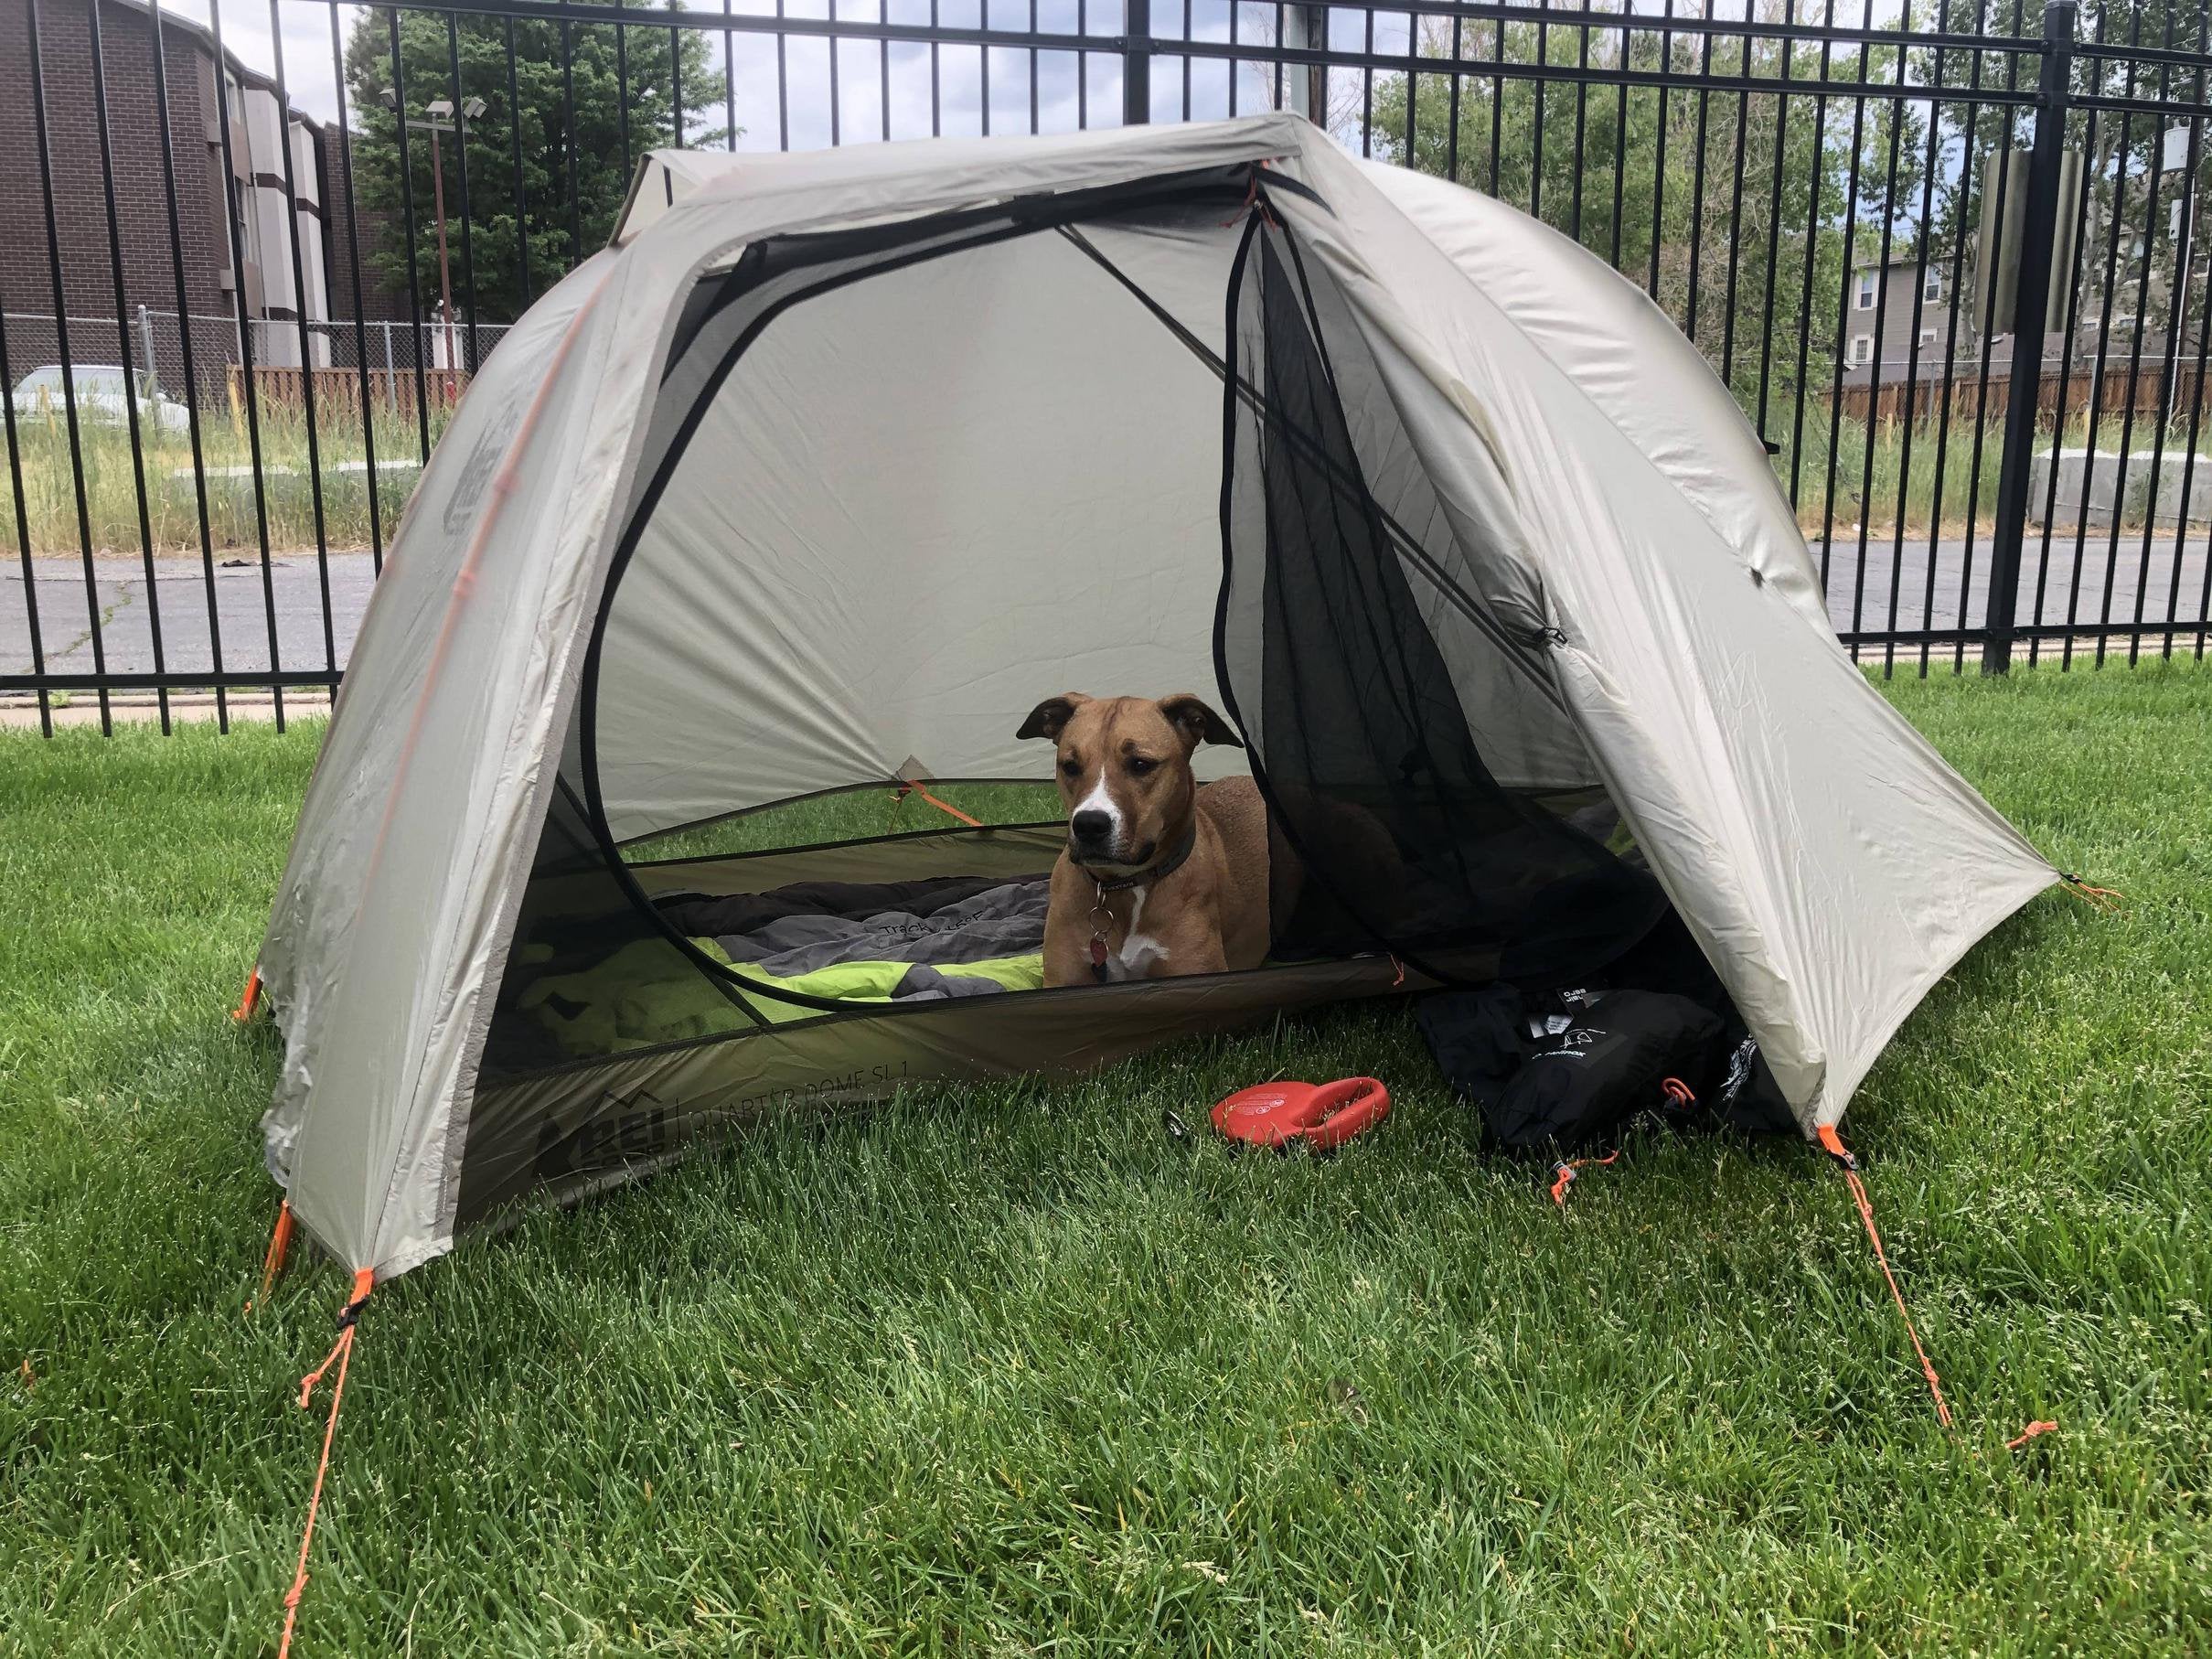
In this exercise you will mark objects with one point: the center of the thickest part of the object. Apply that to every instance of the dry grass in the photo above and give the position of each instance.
(1935, 477)
(286, 501)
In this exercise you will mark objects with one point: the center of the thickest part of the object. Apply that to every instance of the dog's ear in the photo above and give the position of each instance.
(1197, 724)
(1049, 717)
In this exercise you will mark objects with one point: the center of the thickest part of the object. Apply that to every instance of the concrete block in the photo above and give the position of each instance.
(2091, 482)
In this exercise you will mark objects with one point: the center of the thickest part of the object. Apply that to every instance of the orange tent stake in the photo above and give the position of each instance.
(279, 1241)
(914, 786)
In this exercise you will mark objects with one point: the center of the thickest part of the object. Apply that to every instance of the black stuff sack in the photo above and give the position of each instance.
(1745, 1094)
(1483, 1039)
(1611, 1061)
(1480, 1040)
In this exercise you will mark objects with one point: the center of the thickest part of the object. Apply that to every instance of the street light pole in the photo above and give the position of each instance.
(2178, 154)
(446, 280)
(439, 110)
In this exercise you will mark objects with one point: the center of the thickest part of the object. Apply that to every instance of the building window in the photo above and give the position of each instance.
(1861, 350)
(1866, 287)
(1928, 337)
(1931, 284)
(241, 225)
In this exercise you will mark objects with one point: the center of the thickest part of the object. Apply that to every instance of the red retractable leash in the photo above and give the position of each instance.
(1316, 1118)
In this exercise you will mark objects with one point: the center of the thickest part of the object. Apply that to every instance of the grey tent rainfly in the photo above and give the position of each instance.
(831, 466)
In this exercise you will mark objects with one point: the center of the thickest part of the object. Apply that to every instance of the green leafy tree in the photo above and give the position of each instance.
(2126, 219)
(2129, 250)
(1652, 183)
(622, 101)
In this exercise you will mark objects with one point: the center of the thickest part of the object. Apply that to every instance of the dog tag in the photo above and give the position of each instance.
(1098, 958)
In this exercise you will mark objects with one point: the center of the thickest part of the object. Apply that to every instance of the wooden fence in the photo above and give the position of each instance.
(1923, 402)
(390, 389)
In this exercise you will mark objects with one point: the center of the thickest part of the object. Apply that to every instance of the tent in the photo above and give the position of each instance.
(831, 466)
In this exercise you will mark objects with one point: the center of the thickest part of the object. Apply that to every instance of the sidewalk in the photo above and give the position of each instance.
(82, 709)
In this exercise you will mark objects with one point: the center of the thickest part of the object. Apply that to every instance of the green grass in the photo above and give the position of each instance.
(1010, 1371)
(848, 816)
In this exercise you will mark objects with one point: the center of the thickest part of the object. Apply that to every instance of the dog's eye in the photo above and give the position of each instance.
(1139, 765)
(1071, 767)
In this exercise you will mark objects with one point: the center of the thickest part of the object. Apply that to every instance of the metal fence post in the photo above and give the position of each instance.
(1136, 63)
(1306, 28)
(2030, 305)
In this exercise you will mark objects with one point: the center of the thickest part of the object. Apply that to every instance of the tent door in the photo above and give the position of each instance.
(1328, 661)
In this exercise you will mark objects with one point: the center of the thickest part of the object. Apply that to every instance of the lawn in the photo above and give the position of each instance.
(1011, 1371)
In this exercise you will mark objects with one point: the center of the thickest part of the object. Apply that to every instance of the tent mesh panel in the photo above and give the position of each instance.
(1406, 838)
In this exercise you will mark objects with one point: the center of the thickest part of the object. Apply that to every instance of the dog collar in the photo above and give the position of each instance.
(1153, 872)
(1101, 917)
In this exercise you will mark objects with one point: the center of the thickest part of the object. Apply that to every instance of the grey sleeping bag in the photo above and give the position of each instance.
(1006, 920)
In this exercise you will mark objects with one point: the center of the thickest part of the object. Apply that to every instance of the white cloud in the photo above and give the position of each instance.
(803, 117)
(805, 74)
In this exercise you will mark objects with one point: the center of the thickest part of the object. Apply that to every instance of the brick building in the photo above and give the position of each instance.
(265, 218)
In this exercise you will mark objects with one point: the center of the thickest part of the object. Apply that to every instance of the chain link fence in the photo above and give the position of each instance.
(200, 357)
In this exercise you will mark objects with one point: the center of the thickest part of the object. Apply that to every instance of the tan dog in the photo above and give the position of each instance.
(1160, 877)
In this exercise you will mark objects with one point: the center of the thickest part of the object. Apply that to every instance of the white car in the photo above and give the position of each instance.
(101, 391)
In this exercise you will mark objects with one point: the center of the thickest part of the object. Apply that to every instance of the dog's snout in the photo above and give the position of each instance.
(1091, 825)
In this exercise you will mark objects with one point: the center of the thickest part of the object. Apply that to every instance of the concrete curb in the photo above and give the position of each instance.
(20, 710)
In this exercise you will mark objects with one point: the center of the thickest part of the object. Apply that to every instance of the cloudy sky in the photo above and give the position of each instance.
(247, 31)
(246, 26)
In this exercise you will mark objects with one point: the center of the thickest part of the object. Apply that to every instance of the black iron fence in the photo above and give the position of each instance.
(1947, 261)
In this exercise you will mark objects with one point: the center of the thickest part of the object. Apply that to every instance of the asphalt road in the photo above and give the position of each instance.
(247, 610)
(1962, 582)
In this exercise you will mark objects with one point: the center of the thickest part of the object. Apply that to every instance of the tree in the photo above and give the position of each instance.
(1727, 260)
(2127, 251)
(620, 97)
